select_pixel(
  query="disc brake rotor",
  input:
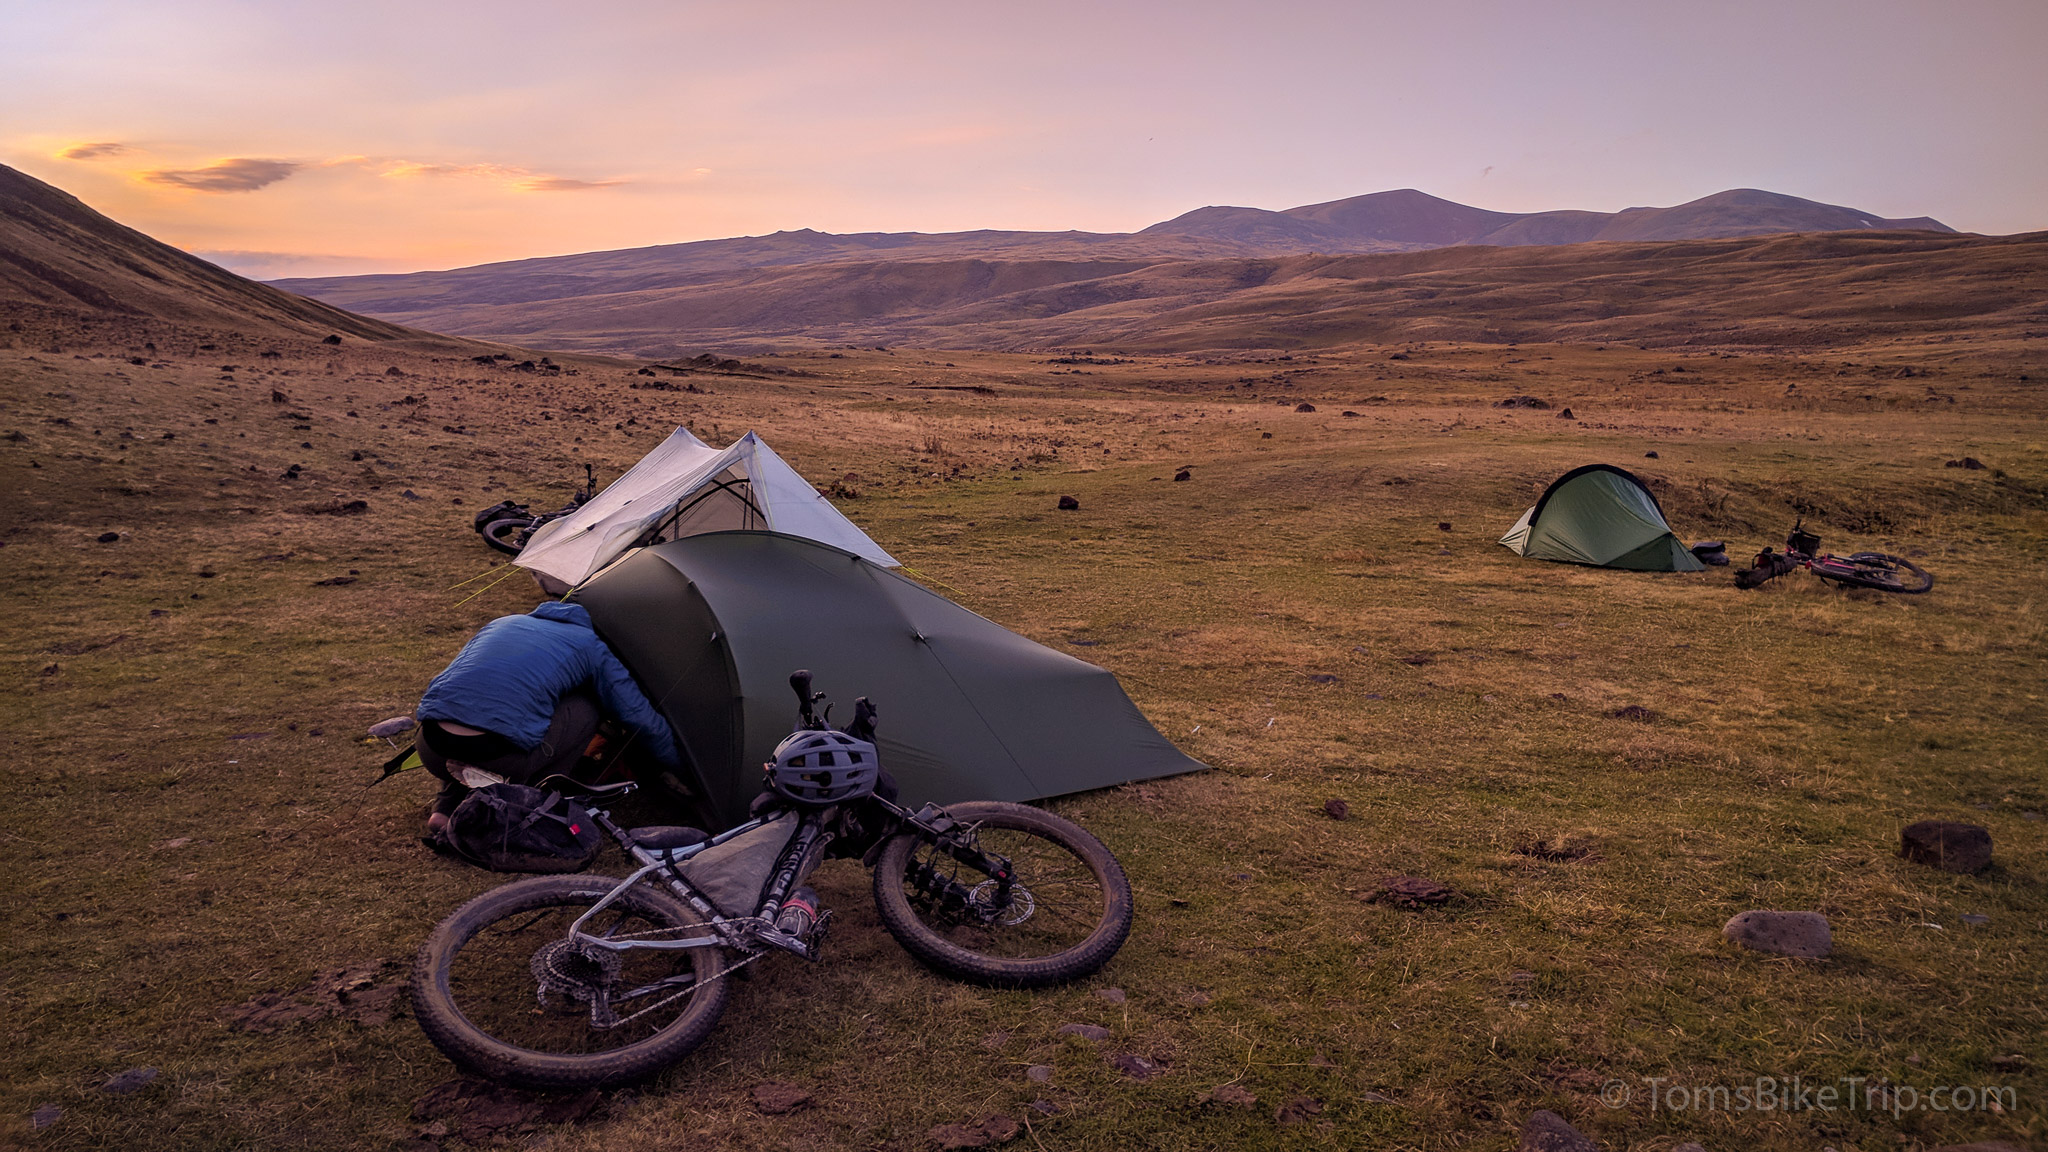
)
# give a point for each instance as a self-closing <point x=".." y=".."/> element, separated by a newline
<point x="983" y="896"/>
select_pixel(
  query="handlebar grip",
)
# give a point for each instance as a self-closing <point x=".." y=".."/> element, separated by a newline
<point x="800" y="682"/>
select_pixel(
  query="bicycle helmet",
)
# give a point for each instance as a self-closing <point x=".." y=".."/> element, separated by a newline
<point x="820" y="766"/>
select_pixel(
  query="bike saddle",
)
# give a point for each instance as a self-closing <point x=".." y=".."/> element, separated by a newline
<point x="569" y="787"/>
<point x="656" y="837"/>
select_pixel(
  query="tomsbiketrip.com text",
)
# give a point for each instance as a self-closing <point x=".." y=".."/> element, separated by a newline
<point x="1792" y="1094"/>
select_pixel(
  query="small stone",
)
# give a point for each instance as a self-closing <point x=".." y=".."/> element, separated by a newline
<point x="1085" y="1031"/>
<point x="1635" y="712"/>
<point x="1045" y="1107"/>
<point x="1443" y="525"/>
<point x="1298" y="1109"/>
<point x="1001" y="1129"/>
<point x="1196" y="1000"/>
<point x="109" y="537"/>
<point x="1974" y="919"/>
<point x="1649" y="455"/>
<point x="1411" y="892"/>
<point x="1785" y="933"/>
<point x="1135" y="1066"/>
<point x="778" y="1097"/>
<point x="1231" y="1094"/>
<point x="44" y="1116"/>
<point x="995" y="1040"/>
<point x="1546" y="1131"/>
<point x="1336" y="809"/>
<point x="1374" y="1098"/>
<point x="1566" y="414"/>
<point x="1041" y="1073"/>
<point x="133" y="1080"/>
<point x="392" y="727"/>
<point x="1183" y="476"/>
<point x="1113" y="995"/>
<point x="1951" y="847"/>
<point x="1069" y="504"/>
<point x="1304" y="406"/>
<point x="175" y="842"/>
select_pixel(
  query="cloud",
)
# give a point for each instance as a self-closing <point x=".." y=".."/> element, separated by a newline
<point x="564" y="184"/>
<point x="92" y="151"/>
<point x="238" y="175"/>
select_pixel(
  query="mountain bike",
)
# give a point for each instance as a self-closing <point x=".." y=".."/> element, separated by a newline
<point x="507" y="525"/>
<point x="576" y="982"/>
<point x="1879" y="570"/>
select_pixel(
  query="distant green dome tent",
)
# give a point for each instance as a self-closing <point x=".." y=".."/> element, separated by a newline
<point x="1603" y="516"/>
<point x="712" y="625"/>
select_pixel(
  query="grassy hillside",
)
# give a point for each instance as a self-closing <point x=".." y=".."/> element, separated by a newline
<point x="1319" y="612"/>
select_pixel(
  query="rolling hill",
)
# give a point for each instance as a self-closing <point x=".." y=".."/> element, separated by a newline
<point x="61" y="262"/>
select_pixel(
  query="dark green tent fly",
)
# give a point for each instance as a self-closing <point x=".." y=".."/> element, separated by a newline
<point x="711" y="625"/>
<point x="1603" y="516"/>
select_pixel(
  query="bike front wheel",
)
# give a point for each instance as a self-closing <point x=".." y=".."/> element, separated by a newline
<point x="1067" y="912"/>
<point x="501" y="991"/>
<point x="1878" y="570"/>
<point x="508" y="536"/>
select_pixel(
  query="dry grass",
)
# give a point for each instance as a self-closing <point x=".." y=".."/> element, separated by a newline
<point x="1292" y="615"/>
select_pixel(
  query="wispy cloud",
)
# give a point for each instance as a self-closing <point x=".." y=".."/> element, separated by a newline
<point x="237" y="175"/>
<point x="93" y="151"/>
<point x="564" y="184"/>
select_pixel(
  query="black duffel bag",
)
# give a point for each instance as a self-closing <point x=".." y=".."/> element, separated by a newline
<point x="513" y="828"/>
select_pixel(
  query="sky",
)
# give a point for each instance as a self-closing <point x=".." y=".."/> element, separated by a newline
<point x="281" y="137"/>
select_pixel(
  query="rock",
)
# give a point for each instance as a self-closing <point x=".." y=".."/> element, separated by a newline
<point x="1113" y="995"/>
<point x="1069" y="504"/>
<point x="334" y="582"/>
<point x="1304" y="406"/>
<point x="1001" y="1129"/>
<point x="1183" y="475"/>
<point x="1960" y="848"/>
<point x="1974" y="919"/>
<point x="1566" y="414"/>
<point x="1443" y="526"/>
<point x="1230" y="1094"/>
<point x="1040" y="1073"/>
<point x="331" y="339"/>
<point x="1523" y="402"/>
<point x="1546" y="1131"/>
<point x="992" y="1130"/>
<point x="44" y="1116"/>
<point x="777" y="1097"/>
<point x="1045" y="1107"/>
<point x="1649" y="455"/>
<point x="1298" y="1109"/>
<point x="2011" y="1062"/>
<point x="1969" y="462"/>
<point x="1410" y="892"/>
<point x="1135" y="1066"/>
<point x="1196" y="1000"/>
<point x="409" y="494"/>
<point x="1634" y="712"/>
<point x="1336" y="809"/>
<point x="132" y="1081"/>
<point x="109" y="537"/>
<point x="1785" y="933"/>
<point x="1374" y="1098"/>
<point x="1085" y="1031"/>
<point x="393" y="726"/>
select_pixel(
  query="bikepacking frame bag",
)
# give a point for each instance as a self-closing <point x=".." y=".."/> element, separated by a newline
<point x="513" y="828"/>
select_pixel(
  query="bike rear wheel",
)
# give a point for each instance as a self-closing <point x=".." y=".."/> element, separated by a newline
<point x="1068" y="913"/>
<point x="508" y="536"/>
<point x="1878" y="570"/>
<point x="500" y="991"/>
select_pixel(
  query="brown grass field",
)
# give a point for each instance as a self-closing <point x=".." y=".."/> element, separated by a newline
<point x="186" y="824"/>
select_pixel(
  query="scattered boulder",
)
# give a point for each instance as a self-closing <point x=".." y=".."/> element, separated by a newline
<point x="277" y="396"/>
<point x="1566" y="414"/>
<point x="331" y="339"/>
<point x="1803" y="934"/>
<point x="1230" y="1094"/>
<point x="1961" y="848"/>
<point x="109" y="537"/>
<point x="1546" y="1131"/>
<point x="1304" y="406"/>
<point x="44" y="1116"/>
<point x="334" y="582"/>
<point x="1336" y="809"/>
<point x="129" y="1082"/>
<point x="1410" y="892"/>
<point x="778" y="1098"/>
<point x="1183" y="475"/>
<point x="1298" y="1110"/>
<point x="1523" y="402"/>
<point x="1039" y="1073"/>
<point x="1135" y="1066"/>
<point x="1084" y="1031"/>
<point x="1649" y="455"/>
<point x="1969" y="462"/>
<point x="1113" y="995"/>
<point x="1069" y="504"/>
<point x="1635" y="712"/>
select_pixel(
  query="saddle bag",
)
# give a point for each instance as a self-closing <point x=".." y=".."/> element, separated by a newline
<point x="513" y="828"/>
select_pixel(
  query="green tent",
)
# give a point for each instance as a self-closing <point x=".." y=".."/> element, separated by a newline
<point x="713" y="624"/>
<point x="1604" y="516"/>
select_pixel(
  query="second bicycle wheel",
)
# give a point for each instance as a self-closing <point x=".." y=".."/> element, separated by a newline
<point x="1878" y="570"/>
<point x="1068" y="912"/>
<point x="500" y="989"/>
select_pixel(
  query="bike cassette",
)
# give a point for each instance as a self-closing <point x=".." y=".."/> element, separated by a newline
<point x="576" y="976"/>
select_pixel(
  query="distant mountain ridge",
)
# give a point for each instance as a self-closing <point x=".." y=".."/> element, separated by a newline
<point x="1406" y="220"/>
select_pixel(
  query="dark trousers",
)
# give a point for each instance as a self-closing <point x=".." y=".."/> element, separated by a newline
<point x="569" y="731"/>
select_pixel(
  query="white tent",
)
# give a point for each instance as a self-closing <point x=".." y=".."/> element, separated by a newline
<point x="685" y="487"/>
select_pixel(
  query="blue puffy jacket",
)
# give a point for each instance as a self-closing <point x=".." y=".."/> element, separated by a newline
<point x="513" y="672"/>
